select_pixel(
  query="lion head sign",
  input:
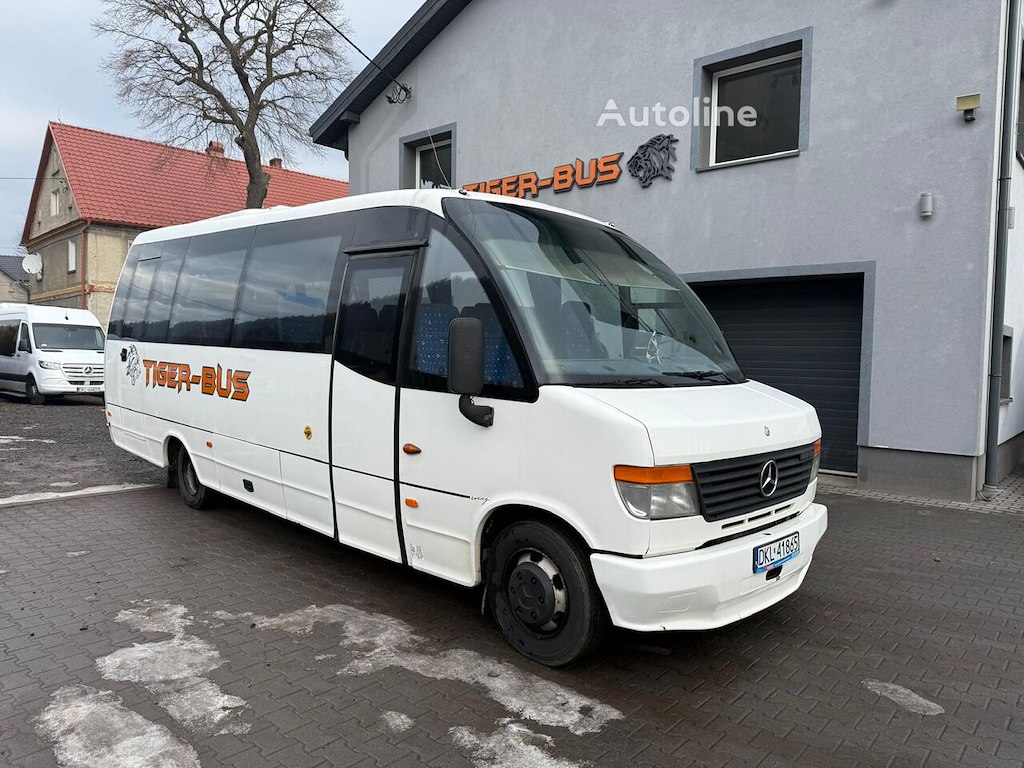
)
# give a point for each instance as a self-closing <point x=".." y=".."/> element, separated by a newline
<point x="653" y="159"/>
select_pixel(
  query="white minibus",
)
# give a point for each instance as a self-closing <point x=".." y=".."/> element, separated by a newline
<point x="50" y="351"/>
<point x="488" y="390"/>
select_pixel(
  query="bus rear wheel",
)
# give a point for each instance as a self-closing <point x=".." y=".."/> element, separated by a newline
<point x="193" y="492"/>
<point x="541" y="593"/>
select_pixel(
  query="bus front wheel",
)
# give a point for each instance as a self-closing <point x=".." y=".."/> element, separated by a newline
<point x="32" y="393"/>
<point x="193" y="492"/>
<point x="542" y="595"/>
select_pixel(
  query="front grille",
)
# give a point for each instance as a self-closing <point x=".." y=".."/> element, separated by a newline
<point x="90" y="372"/>
<point x="732" y="487"/>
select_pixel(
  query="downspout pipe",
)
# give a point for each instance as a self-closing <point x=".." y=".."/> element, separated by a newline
<point x="1007" y="151"/>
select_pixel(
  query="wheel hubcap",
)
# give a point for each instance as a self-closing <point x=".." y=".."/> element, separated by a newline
<point x="537" y="593"/>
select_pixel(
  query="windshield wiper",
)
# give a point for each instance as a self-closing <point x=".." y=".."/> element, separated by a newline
<point x="627" y="382"/>
<point x="702" y="375"/>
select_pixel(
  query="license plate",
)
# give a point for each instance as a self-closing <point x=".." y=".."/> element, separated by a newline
<point x="89" y="389"/>
<point x="776" y="553"/>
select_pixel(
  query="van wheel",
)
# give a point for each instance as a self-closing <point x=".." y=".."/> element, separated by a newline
<point x="193" y="492"/>
<point x="35" y="397"/>
<point x="541" y="593"/>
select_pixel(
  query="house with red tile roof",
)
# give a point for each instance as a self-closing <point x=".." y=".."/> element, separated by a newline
<point x="95" y="191"/>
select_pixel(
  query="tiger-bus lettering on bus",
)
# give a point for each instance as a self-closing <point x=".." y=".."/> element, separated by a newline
<point x="211" y="380"/>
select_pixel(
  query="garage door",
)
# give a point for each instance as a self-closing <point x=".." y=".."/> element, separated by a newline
<point x="802" y="336"/>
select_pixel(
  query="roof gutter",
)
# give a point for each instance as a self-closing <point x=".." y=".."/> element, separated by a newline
<point x="1011" y="77"/>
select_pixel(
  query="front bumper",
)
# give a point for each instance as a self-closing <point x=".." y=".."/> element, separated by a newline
<point x="705" y="588"/>
<point x="56" y="383"/>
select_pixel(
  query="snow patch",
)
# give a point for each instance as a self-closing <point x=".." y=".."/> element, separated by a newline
<point x="78" y="553"/>
<point x="318" y="657"/>
<point x="63" y="484"/>
<point x="903" y="697"/>
<point x="398" y="722"/>
<point x="90" y="728"/>
<point x="511" y="746"/>
<point x="174" y="670"/>
<point x="522" y="693"/>
<point x="12" y="439"/>
<point x="384" y="641"/>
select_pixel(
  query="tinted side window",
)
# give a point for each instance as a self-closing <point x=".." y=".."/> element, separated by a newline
<point x="8" y="337"/>
<point x="284" y="298"/>
<point x="371" y="315"/>
<point x="121" y="296"/>
<point x="204" y="300"/>
<point x="449" y="288"/>
<point x="161" y="290"/>
<point x="138" y="295"/>
<point x="387" y="225"/>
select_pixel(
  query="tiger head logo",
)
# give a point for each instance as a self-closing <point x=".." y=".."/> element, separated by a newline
<point x="133" y="364"/>
<point x="654" y="159"/>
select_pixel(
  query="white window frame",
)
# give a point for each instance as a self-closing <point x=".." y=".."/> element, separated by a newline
<point x="430" y="147"/>
<point x="72" y="256"/>
<point x="54" y="202"/>
<point x="714" y="109"/>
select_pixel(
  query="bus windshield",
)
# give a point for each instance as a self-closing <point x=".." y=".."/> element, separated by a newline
<point x="53" y="337"/>
<point x="596" y="308"/>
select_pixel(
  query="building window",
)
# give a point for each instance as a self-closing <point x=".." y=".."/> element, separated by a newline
<point x="55" y="202"/>
<point x="434" y="166"/>
<point x="754" y="102"/>
<point x="72" y="255"/>
<point x="428" y="159"/>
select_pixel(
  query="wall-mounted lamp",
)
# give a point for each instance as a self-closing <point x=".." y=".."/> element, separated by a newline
<point x="968" y="104"/>
<point x="927" y="205"/>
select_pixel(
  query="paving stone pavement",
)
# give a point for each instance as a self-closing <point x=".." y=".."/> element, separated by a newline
<point x="1006" y="499"/>
<point x="404" y="671"/>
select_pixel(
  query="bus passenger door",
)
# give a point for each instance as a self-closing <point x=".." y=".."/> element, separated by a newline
<point x="363" y="402"/>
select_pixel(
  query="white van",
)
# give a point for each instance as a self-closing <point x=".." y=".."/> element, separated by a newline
<point x="50" y="351"/>
<point x="489" y="390"/>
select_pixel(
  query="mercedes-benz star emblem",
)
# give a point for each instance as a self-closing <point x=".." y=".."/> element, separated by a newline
<point x="88" y="371"/>
<point x="767" y="432"/>
<point x="769" y="478"/>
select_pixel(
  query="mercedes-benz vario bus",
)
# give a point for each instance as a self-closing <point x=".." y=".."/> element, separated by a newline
<point x="488" y="390"/>
<point x="50" y="351"/>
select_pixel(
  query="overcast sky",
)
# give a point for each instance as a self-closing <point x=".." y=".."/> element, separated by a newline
<point x="50" y="70"/>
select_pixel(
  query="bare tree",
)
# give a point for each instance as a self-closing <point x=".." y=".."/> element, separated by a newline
<point x="255" y="72"/>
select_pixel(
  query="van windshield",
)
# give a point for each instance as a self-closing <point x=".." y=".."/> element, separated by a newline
<point x="53" y="337"/>
<point x="597" y="308"/>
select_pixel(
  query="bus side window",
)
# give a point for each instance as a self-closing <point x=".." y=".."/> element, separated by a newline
<point x="203" y="309"/>
<point x="161" y="291"/>
<point x="286" y="287"/>
<point x="371" y="303"/>
<point x="448" y="289"/>
<point x="120" y="303"/>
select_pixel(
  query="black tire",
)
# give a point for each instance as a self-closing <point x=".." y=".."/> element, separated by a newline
<point x="193" y="492"/>
<point x="35" y="397"/>
<point x="542" y="594"/>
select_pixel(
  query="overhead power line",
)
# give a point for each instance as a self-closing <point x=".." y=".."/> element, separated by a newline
<point x="401" y="91"/>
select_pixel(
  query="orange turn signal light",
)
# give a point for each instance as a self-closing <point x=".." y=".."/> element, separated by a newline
<point x="412" y="503"/>
<point x="680" y="473"/>
<point x="817" y="447"/>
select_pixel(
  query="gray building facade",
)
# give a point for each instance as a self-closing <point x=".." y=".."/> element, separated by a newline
<point x="816" y="252"/>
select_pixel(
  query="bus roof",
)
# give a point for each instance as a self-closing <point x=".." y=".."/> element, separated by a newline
<point x="428" y="199"/>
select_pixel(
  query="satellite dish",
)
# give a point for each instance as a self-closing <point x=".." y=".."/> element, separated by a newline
<point x="33" y="263"/>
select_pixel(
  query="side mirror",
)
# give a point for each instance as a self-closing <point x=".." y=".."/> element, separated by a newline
<point x="466" y="368"/>
<point x="466" y="356"/>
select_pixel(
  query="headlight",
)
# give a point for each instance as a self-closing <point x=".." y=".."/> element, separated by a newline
<point x="817" y="459"/>
<point x="49" y="366"/>
<point x="657" y="493"/>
